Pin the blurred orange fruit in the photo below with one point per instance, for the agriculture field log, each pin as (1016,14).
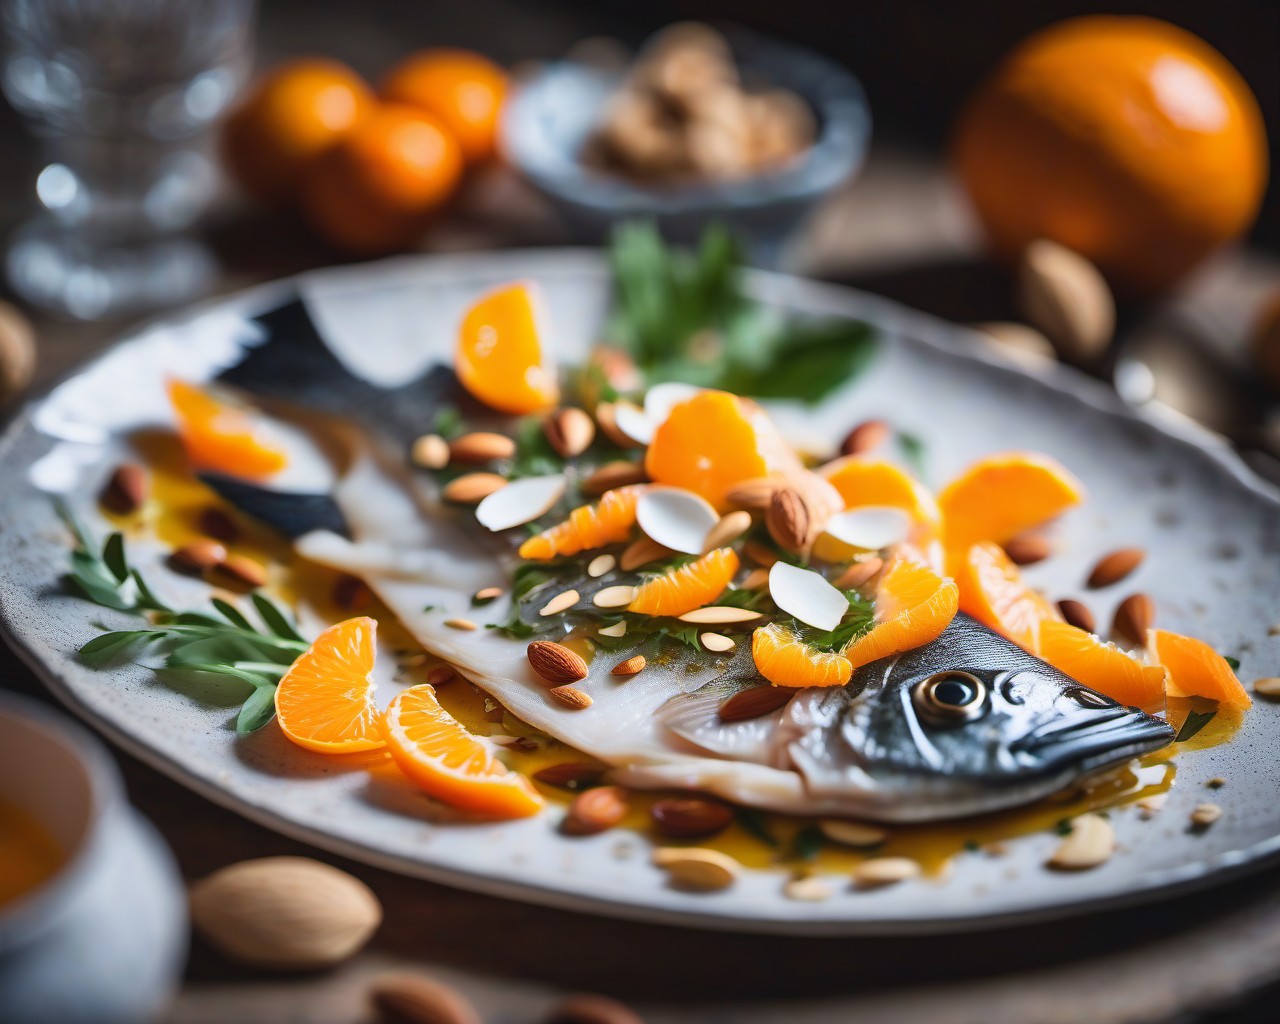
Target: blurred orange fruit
(446,761)
(324,702)
(713,441)
(1126,139)
(868,481)
(291,116)
(609,521)
(1001,496)
(499,356)
(1196,669)
(784,659)
(1101,666)
(913,605)
(465,90)
(219,436)
(375,188)
(688,587)
(993,591)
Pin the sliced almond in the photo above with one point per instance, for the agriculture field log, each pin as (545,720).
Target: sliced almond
(860,573)
(472,488)
(871,527)
(756,579)
(1028,549)
(430,451)
(676,518)
(697,869)
(633,422)
(642,552)
(1150,806)
(632,666)
(1268,687)
(570,774)
(755,494)
(619,473)
(754,702)
(562,602)
(857,834)
(1134,616)
(239,572)
(1115,566)
(727,530)
(1017,343)
(806,595)
(466,625)
(761,554)
(570,697)
(414,999)
(1091,842)
(555,663)
(486,594)
(618,629)
(660,399)
(1077,614)
(881,871)
(1204,815)
(865,437)
(600,565)
(717,642)
(607,420)
(810,889)
(614,597)
(596,810)
(719,615)
(569,431)
(481,446)
(521,501)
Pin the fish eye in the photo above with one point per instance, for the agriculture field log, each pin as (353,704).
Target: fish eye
(950,696)
(1089,699)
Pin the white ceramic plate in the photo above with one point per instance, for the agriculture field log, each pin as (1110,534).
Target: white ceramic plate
(1211,530)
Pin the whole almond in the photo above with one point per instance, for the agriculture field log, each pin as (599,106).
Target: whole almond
(1077,614)
(1066,297)
(1017,342)
(1268,688)
(197,557)
(351,592)
(865,437)
(690,817)
(481,446)
(17,351)
(632,666)
(859,574)
(588,1009)
(569,431)
(239,572)
(730,527)
(1028,549)
(403,998)
(755,494)
(596,810)
(571,697)
(472,488)
(570,775)
(754,702)
(289,913)
(442,675)
(642,552)
(1134,616)
(697,869)
(430,451)
(214,522)
(618,473)
(555,663)
(1115,566)
(790,520)
(125,490)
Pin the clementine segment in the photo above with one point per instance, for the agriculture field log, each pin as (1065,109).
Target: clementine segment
(865,481)
(464,90)
(499,356)
(913,605)
(440,756)
(688,587)
(993,591)
(324,702)
(1003,495)
(786,660)
(1196,669)
(220,437)
(1101,666)
(713,441)
(588,526)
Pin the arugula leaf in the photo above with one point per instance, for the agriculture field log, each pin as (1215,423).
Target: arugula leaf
(808,363)
(856,621)
(534,454)
(1195,721)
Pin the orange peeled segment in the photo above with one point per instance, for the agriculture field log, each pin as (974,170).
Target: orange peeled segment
(993,591)
(713,441)
(447,762)
(465,90)
(220,437)
(588,526)
(863,481)
(688,587)
(786,660)
(325,700)
(1003,495)
(913,605)
(1196,669)
(499,356)
(1101,666)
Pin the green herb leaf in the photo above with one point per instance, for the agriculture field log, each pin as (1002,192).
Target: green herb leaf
(448,422)
(1064,827)
(857,620)
(113,557)
(1195,721)
(258,710)
(807,843)
(1233,662)
(808,363)
(534,454)
(754,823)
(274,619)
(109,647)
(231,613)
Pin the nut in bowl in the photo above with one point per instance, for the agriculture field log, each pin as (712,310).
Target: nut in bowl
(777,129)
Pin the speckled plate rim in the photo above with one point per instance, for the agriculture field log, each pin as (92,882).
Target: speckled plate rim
(819,298)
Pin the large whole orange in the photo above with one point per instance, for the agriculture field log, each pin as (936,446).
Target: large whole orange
(1127,139)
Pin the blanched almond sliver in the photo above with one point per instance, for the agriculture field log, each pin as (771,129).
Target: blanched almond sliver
(660,399)
(675,518)
(521,501)
(806,595)
(634,422)
(872,526)
(715,615)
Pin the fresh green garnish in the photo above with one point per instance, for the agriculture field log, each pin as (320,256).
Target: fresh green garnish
(534,454)
(754,823)
(912,448)
(1064,827)
(1233,662)
(1195,721)
(807,843)
(448,423)
(857,620)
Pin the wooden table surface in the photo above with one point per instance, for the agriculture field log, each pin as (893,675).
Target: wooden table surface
(1212,956)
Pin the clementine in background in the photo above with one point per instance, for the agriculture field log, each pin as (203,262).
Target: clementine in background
(464,90)
(499,357)
(375,188)
(291,116)
(1128,140)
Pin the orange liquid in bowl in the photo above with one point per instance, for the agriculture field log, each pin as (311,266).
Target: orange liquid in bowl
(29,855)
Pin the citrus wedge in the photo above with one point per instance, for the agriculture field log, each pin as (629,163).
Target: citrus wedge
(1004,495)
(786,660)
(913,605)
(993,591)
(499,356)
(219,436)
(688,587)
(447,762)
(1196,669)
(609,521)
(863,481)
(325,700)
(1101,666)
